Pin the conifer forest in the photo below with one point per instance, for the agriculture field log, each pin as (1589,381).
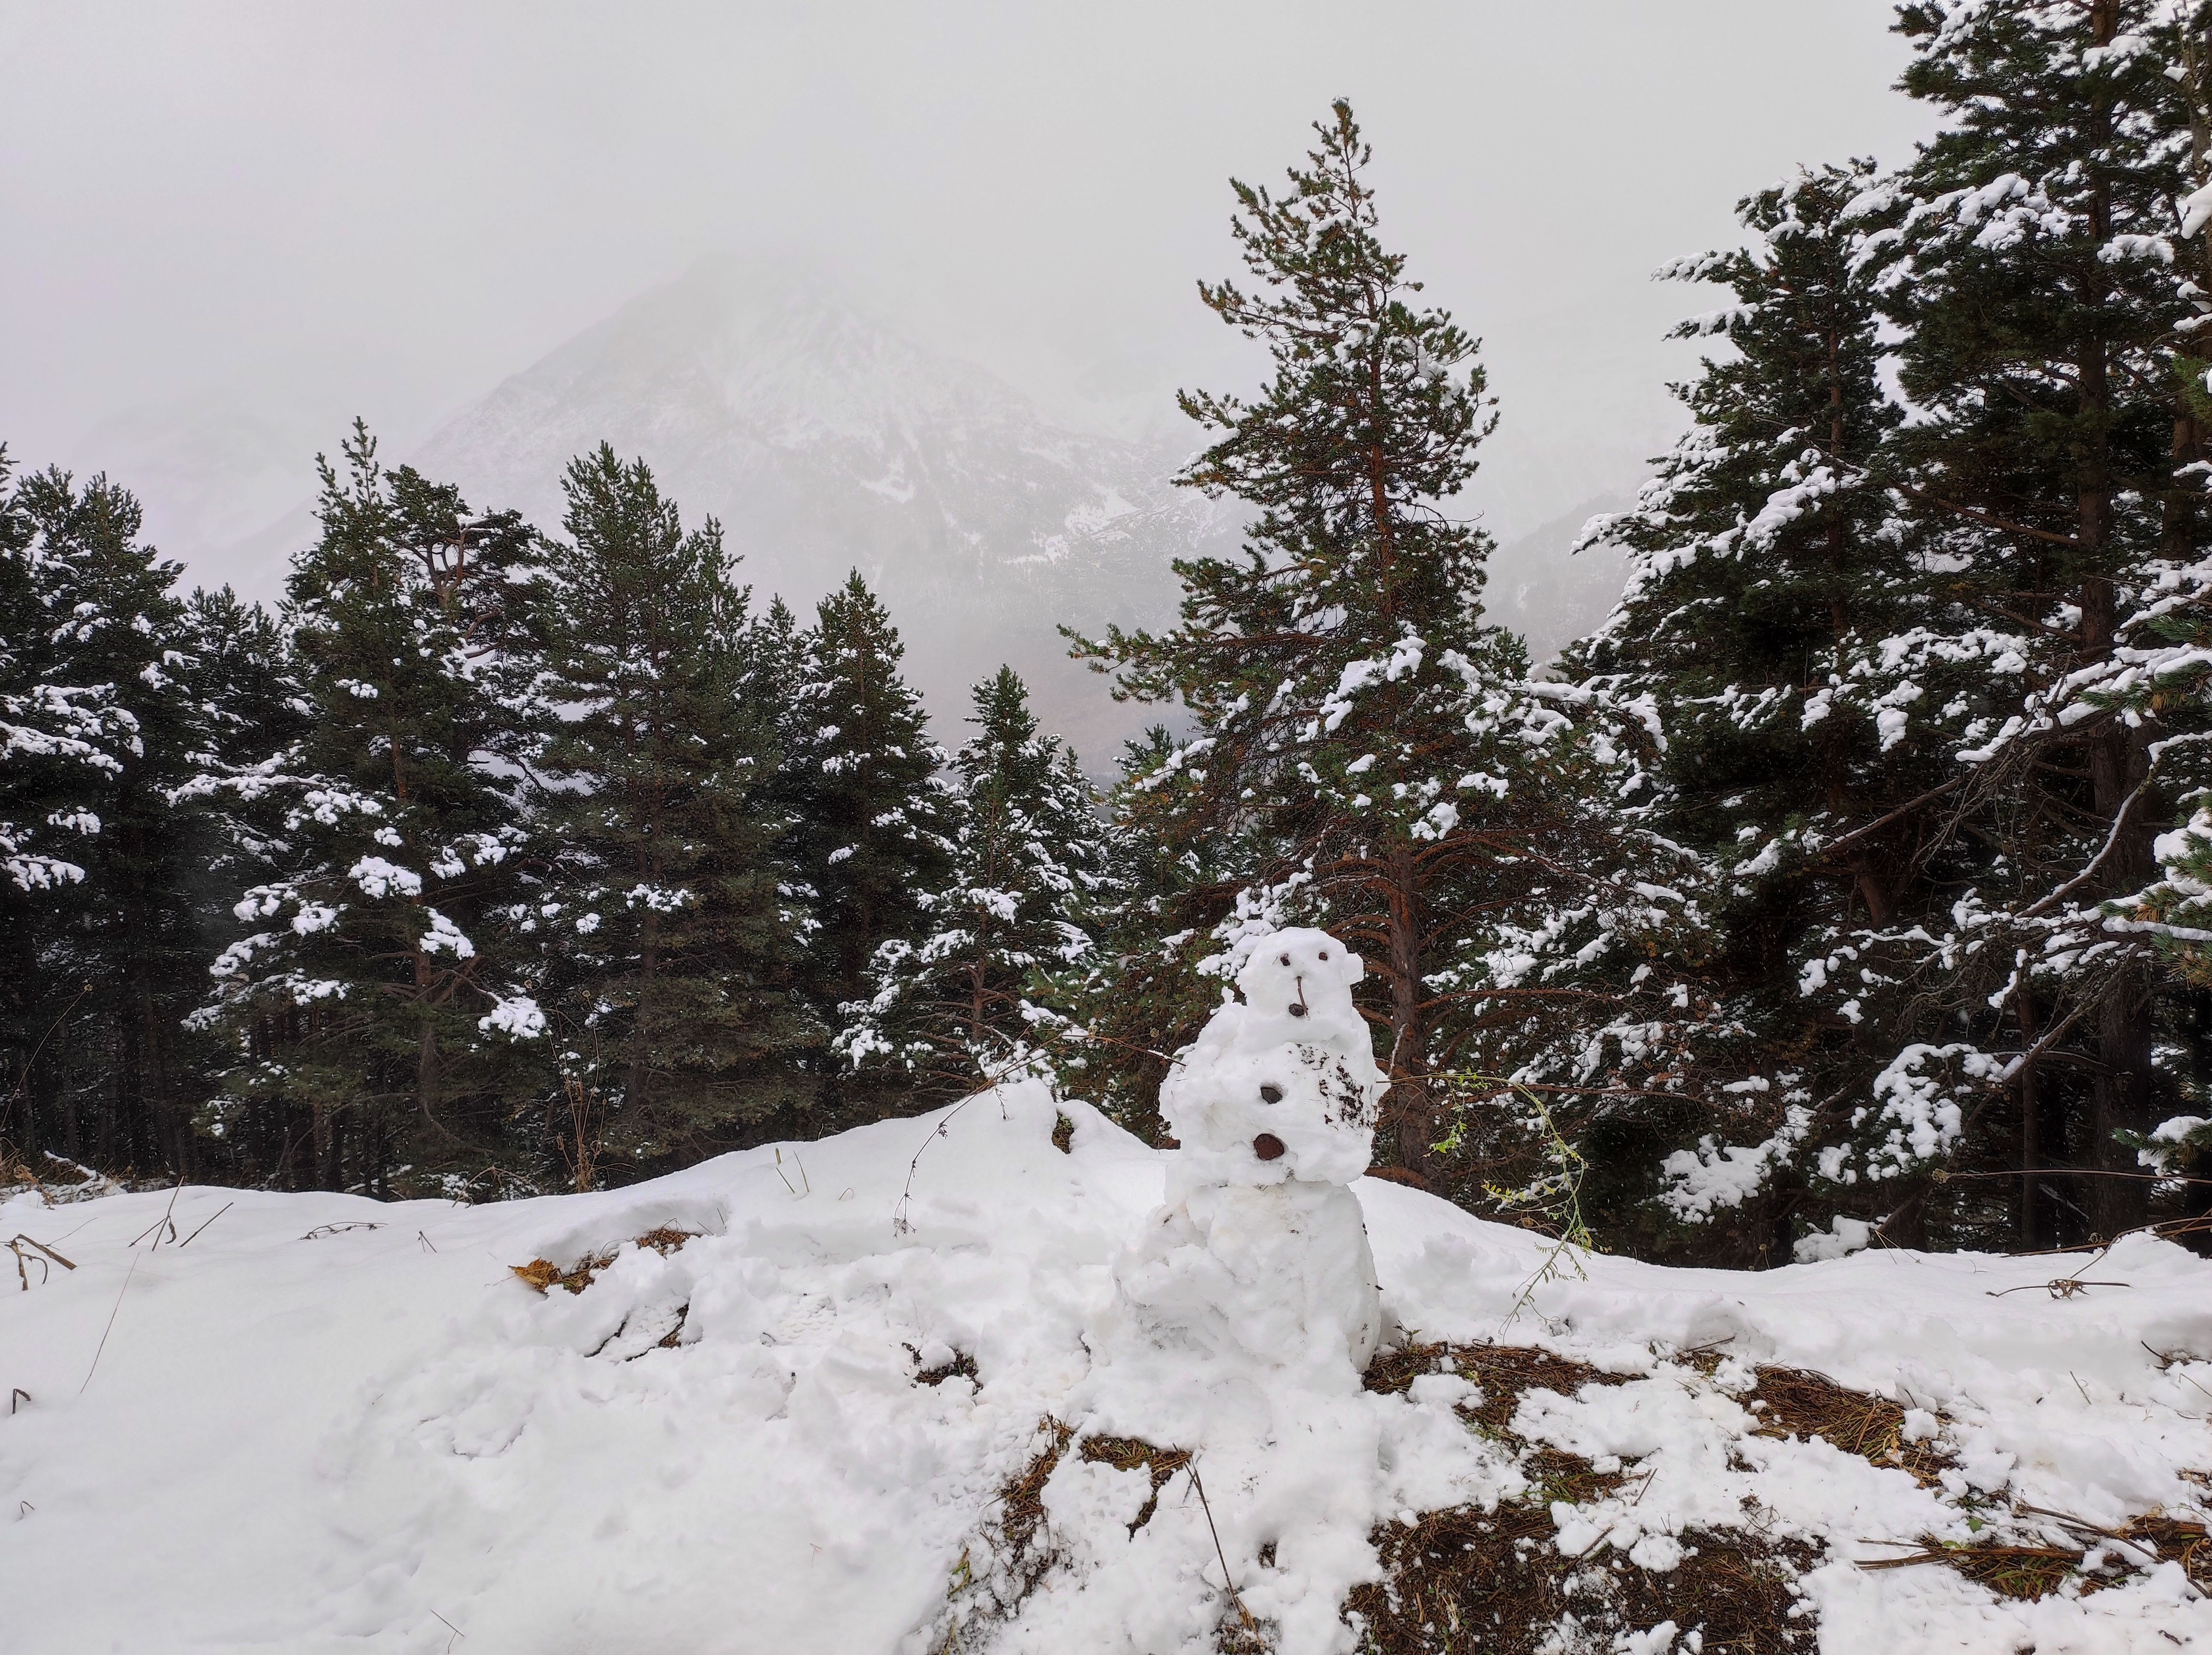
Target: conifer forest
(1851,885)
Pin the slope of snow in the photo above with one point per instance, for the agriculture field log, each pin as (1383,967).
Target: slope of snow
(324,1424)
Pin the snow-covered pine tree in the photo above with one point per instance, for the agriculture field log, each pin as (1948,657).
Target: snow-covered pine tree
(106,954)
(970,997)
(377,1005)
(53,734)
(875,820)
(54,759)
(2055,459)
(1146,992)
(1772,574)
(245,687)
(1368,757)
(669,940)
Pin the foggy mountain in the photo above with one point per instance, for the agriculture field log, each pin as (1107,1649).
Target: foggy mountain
(1548,595)
(823,440)
(217,469)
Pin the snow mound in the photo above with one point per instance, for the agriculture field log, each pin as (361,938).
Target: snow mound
(803,1414)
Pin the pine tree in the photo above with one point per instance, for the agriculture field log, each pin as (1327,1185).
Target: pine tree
(1368,755)
(1147,991)
(1950,822)
(670,935)
(245,691)
(382,1008)
(53,733)
(2031,263)
(1772,574)
(960,1005)
(106,954)
(875,820)
(53,757)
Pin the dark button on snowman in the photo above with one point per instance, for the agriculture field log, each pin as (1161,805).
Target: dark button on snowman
(1260,1252)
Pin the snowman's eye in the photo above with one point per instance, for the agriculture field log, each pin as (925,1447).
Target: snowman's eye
(1271,1094)
(1286,959)
(1324,953)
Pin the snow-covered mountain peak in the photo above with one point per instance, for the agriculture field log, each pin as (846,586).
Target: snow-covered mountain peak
(785,349)
(824,439)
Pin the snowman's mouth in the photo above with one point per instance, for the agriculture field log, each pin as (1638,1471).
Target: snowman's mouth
(1268,1146)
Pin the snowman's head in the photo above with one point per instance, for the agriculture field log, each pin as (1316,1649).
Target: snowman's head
(1282,1084)
(1297,986)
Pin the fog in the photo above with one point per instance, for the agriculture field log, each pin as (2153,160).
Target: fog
(308,212)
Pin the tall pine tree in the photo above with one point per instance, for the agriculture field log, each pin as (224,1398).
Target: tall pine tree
(378,1005)
(1772,572)
(875,820)
(107,951)
(669,933)
(2032,261)
(1368,756)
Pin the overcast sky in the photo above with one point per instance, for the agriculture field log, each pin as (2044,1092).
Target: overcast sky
(388,208)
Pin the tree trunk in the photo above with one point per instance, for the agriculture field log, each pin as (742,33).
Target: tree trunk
(648,963)
(1411,1108)
(425,1074)
(2031,1128)
(2121,1101)
(2122,1089)
(2122,1092)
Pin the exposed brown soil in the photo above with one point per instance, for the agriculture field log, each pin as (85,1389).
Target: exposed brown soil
(1128,1454)
(1466,1579)
(1790,1402)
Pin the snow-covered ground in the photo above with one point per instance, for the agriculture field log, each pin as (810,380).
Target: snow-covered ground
(320,1423)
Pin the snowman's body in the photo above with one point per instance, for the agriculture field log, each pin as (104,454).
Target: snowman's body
(1260,1251)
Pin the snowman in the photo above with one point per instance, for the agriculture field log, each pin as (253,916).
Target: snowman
(1259,1255)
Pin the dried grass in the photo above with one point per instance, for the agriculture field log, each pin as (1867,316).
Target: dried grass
(961,1366)
(1465,1579)
(2176,1540)
(1133,1453)
(1790,1402)
(544,1273)
(1018,1554)
(1504,1372)
(2023,1572)
(2028,1571)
